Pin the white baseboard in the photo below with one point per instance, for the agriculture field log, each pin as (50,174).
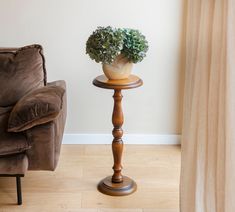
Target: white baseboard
(127,139)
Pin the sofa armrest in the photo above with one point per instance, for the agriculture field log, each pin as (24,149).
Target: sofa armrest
(37,107)
(46,139)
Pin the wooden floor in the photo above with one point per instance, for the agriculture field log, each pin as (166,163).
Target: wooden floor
(72,187)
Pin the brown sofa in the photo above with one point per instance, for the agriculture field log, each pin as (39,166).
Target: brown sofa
(32,114)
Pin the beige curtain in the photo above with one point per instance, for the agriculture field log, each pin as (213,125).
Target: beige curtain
(208,140)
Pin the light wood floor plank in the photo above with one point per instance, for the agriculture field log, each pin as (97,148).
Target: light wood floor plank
(72,187)
(149,199)
(160,210)
(120,210)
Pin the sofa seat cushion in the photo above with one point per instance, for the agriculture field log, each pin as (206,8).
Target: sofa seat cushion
(21,71)
(10,143)
(14,164)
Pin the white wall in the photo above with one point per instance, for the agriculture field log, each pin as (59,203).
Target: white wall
(63,26)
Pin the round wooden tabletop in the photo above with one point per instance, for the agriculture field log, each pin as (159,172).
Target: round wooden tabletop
(131,82)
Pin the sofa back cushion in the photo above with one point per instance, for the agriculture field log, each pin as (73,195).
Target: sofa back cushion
(21,71)
(38,107)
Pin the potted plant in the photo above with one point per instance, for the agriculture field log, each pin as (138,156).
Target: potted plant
(117,49)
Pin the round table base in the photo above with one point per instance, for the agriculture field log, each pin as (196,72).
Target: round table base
(106,186)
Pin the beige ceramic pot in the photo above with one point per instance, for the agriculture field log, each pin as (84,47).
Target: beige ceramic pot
(120,68)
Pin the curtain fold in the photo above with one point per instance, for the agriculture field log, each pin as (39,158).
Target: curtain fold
(208,136)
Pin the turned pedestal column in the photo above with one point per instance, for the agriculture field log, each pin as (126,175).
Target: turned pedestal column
(117,184)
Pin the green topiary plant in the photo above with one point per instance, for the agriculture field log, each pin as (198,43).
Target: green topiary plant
(106,43)
(135,45)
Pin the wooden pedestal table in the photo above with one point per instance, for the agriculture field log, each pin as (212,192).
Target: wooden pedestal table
(117,184)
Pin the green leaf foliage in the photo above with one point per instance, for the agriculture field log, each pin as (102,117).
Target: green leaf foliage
(106,43)
(135,45)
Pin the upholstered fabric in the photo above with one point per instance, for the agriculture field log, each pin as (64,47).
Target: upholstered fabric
(21,71)
(10,143)
(37,107)
(4,115)
(46,139)
(14,164)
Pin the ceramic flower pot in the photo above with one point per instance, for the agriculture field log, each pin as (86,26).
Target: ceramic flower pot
(120,68)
